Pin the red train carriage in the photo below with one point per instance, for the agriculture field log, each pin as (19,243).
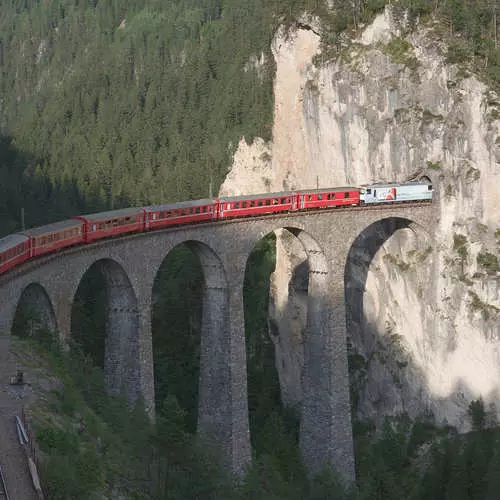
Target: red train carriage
(14,249)
(181,213)
(113,223)
(243,206)
(332,197)
(46,239)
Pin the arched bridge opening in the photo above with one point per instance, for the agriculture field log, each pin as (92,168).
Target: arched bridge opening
(294,267)
(388,262)
(34,316)
(176,320)
(199,376)
(104,324)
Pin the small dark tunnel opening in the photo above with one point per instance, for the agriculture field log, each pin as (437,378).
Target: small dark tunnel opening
(176,330)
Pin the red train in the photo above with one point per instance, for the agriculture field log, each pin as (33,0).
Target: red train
(18,248)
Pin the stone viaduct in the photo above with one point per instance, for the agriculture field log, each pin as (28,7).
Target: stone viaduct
(130,264)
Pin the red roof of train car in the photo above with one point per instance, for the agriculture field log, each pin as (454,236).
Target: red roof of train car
(52,228)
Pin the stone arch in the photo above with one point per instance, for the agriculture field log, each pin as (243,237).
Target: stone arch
(122,344)
(34,312)
(214,391)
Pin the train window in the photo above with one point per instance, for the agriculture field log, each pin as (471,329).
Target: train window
(429,187)
(368,191)
(236,205)
(310,197)
(374,192)
(346,195)
(259,203)
(268,202)
(44,240)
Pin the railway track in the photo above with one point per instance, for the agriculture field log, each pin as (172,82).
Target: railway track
(40,261)
(4,495)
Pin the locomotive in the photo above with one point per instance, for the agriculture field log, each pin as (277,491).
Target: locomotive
(21,247)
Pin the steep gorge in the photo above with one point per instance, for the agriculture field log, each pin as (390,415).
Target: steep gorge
(384,107)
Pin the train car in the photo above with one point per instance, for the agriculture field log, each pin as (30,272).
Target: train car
(113,223)
(184,212)
(244,206)
(329,197)
(14,249)
(394,193)
(52,237)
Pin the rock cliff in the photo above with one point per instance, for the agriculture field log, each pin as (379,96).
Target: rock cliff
(424,315)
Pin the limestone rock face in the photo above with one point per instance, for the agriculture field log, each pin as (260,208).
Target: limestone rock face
(423,314)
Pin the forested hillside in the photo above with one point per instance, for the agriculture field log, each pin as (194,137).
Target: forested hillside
(107,104)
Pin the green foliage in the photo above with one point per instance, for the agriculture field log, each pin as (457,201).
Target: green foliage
(433,166)
(460,246)
(176,325)
(487,310)
(401,52)
(263,384)
(477,414)
(489,262)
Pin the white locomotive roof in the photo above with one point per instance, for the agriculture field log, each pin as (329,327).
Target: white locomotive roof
(181,204)
(11,241)
(112,214)
(52,228)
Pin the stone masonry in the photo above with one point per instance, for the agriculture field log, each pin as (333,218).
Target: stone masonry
(130,265)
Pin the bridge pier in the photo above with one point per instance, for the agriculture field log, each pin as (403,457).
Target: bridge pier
(326,429)
(7,311)
(223,405)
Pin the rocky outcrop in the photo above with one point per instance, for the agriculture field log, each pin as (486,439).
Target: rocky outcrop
(384,107)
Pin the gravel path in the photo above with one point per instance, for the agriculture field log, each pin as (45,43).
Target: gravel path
(12,455)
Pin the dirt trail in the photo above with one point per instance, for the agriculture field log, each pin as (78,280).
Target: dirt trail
(12,455)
